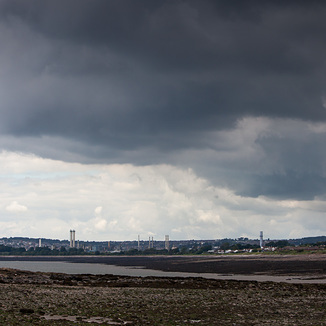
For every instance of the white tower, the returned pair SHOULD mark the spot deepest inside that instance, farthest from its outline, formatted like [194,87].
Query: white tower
[70,238]
[261,239]
[167,242]
[73,238]
[40,242]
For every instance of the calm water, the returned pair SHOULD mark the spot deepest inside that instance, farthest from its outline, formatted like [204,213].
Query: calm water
[85,268]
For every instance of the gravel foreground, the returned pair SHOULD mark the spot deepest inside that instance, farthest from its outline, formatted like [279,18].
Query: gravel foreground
[28,298]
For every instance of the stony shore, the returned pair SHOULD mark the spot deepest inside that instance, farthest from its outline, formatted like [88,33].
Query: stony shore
[28,298]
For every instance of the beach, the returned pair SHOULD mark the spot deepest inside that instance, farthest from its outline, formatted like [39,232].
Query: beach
[28,298]
[31,298]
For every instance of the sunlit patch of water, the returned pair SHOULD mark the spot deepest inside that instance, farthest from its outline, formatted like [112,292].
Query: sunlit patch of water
[98,320]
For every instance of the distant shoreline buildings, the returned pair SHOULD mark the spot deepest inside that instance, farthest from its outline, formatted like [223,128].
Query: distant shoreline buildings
[152,246]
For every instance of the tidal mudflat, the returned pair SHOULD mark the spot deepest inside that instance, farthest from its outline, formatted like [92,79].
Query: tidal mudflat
[28,298]
[305,264]
[310,268]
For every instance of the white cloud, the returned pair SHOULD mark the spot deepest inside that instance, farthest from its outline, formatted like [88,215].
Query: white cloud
[162,199]
[98,210]
[100,223]
[14,207]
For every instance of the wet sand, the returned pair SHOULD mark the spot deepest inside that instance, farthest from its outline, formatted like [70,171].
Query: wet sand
[278,265]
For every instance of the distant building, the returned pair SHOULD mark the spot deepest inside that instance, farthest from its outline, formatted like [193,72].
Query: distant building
[167,242]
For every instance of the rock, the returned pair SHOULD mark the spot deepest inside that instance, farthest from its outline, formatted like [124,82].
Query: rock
[26,311]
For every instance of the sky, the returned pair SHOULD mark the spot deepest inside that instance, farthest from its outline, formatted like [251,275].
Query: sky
[193,119]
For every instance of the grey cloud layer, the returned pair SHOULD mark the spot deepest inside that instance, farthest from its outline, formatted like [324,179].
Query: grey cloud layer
[140,81]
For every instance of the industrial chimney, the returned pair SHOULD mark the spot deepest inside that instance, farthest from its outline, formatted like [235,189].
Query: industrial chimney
[261,240]
[73,239]
[70,238]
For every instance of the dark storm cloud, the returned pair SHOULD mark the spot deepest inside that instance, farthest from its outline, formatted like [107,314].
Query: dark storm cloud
[126,76]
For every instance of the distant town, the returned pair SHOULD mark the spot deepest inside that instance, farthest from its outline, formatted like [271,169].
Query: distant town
[42,246]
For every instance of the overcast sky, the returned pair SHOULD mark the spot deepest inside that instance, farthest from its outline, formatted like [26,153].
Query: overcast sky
[198,119]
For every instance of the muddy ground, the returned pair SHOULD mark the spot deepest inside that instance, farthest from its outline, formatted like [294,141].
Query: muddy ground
[28,298]
[307,264]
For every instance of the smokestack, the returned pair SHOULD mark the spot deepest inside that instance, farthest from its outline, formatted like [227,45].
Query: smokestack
[73,239]
[149,242]
[261,240]
[167,242]
[138,242]
[70,238]
[152,242]
[40,242]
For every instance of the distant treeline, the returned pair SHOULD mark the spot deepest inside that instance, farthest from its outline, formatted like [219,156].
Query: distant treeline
[286,243]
